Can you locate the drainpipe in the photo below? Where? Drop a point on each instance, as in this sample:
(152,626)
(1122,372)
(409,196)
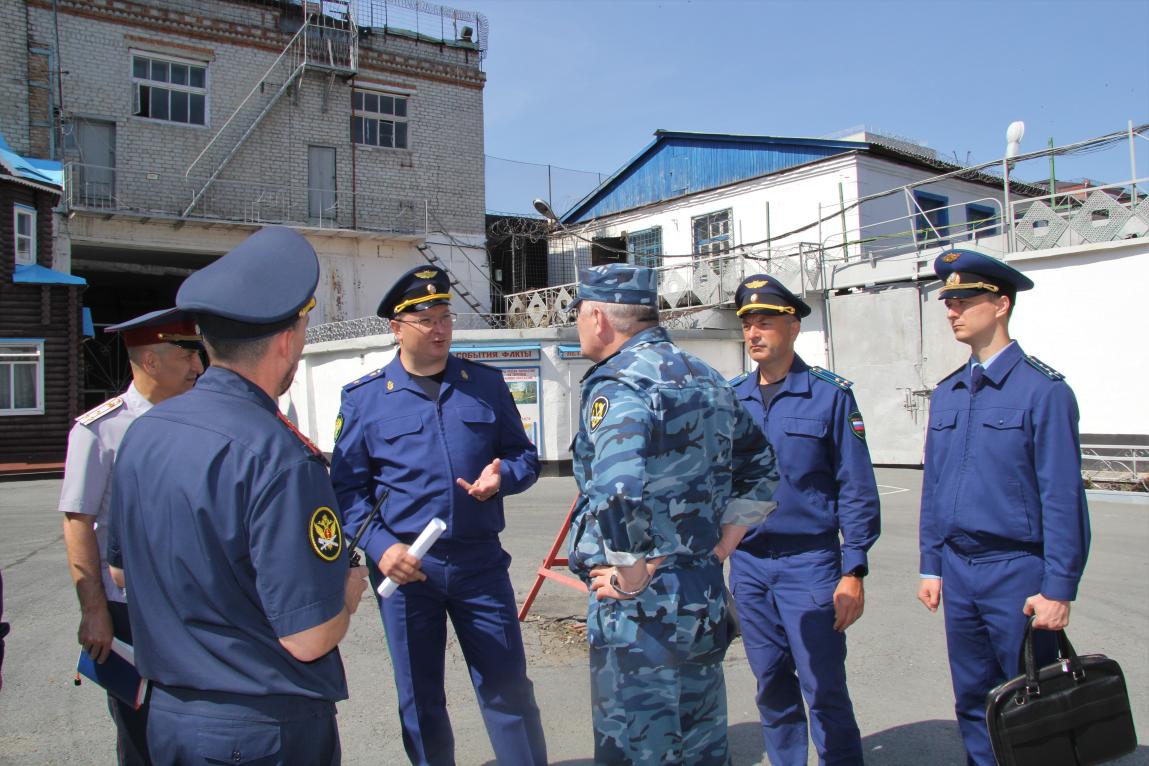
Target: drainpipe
(354,196)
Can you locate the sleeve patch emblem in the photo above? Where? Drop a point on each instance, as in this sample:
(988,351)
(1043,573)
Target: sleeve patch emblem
(598,409)
(857,426)
(325,533)
(338,426)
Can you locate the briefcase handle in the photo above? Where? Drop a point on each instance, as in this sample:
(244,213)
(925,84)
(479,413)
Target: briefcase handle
(1028,664)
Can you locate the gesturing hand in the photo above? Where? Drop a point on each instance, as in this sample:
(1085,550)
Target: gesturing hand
(487,485)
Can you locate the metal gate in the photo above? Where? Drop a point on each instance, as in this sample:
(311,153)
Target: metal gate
(895,344)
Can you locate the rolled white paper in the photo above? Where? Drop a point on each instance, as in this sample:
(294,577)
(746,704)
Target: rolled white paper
(418,549)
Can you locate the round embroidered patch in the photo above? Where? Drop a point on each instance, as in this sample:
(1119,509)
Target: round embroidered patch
(325,533)
(857,426)
(598,409)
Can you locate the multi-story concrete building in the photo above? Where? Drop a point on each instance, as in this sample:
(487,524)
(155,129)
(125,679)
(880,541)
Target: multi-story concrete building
(185,125)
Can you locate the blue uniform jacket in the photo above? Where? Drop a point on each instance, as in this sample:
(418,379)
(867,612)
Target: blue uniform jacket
(827,480)
(230,538)
(663,458)
(394,437)
(1003,471)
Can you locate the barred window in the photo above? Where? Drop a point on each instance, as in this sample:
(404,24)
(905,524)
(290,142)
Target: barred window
(169,90)
(379,119)
(21,377)
(645,247)
(712,233)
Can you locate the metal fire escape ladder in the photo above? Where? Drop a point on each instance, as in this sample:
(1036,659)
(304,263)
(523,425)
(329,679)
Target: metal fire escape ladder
(460,288)
(327,40)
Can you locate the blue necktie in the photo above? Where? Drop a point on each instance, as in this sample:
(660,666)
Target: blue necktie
(976,375)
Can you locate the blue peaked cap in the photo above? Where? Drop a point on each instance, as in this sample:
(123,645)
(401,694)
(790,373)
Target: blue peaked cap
(263,285)
(966,273)
(763,294)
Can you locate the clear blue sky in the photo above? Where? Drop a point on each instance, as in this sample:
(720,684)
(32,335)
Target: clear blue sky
(583,84)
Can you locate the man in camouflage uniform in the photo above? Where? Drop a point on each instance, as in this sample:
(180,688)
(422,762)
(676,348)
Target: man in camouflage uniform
(671,471)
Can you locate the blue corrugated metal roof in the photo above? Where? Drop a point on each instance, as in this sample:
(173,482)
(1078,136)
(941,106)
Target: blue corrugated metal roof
(680,163)
(34,274)
(46,172)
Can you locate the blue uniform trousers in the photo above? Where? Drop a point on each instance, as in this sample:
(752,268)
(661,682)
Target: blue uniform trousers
(191,727)
(983,597)
(786,605)
(131,724)
(469,584)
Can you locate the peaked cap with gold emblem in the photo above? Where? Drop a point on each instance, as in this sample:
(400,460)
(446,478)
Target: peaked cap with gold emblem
(967,273)
(420,288)
(763,294)
(163,326)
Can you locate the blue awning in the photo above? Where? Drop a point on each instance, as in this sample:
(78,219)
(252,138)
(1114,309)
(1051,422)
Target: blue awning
(33,274)
(86,320)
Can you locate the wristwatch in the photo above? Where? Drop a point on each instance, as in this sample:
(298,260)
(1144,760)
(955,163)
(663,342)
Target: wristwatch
(858,571)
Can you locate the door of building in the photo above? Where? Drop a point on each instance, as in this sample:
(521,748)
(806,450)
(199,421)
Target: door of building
(91,144)
(321,197)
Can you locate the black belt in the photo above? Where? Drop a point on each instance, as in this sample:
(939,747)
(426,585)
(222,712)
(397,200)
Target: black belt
(777,546)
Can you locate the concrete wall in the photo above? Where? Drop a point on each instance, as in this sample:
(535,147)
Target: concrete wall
(313,400)
(1084,318)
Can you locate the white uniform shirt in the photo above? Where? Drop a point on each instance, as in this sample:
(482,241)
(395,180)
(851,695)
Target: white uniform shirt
(92,446)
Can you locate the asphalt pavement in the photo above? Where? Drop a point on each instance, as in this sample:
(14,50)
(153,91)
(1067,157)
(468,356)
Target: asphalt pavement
(899,679)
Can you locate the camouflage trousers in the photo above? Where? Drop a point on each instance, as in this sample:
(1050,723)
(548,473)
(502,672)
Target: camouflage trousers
(657,691)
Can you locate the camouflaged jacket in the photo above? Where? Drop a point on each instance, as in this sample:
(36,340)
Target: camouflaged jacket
(664,456)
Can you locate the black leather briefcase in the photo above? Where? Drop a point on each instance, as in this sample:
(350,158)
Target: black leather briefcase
(1071,713)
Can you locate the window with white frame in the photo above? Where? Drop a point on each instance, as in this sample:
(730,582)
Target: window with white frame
(712,232)
(25,233)
(379,119)
(21,376)
(169,89)
(645,247)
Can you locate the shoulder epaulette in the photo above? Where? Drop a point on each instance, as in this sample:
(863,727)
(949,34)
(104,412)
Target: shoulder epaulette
(947,377)
(737,381)
(1044,368)
(373,375)
(94,414)
(314,450)
(831,377)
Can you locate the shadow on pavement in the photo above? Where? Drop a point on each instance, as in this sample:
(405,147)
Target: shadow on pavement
(913,744)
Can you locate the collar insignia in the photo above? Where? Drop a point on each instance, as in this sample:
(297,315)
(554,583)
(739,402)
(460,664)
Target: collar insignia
(325,533)
(465,375)
(755,284)
(390,385)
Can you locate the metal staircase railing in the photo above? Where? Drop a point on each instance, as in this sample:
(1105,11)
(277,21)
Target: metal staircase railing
(327,40)
(458,285)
